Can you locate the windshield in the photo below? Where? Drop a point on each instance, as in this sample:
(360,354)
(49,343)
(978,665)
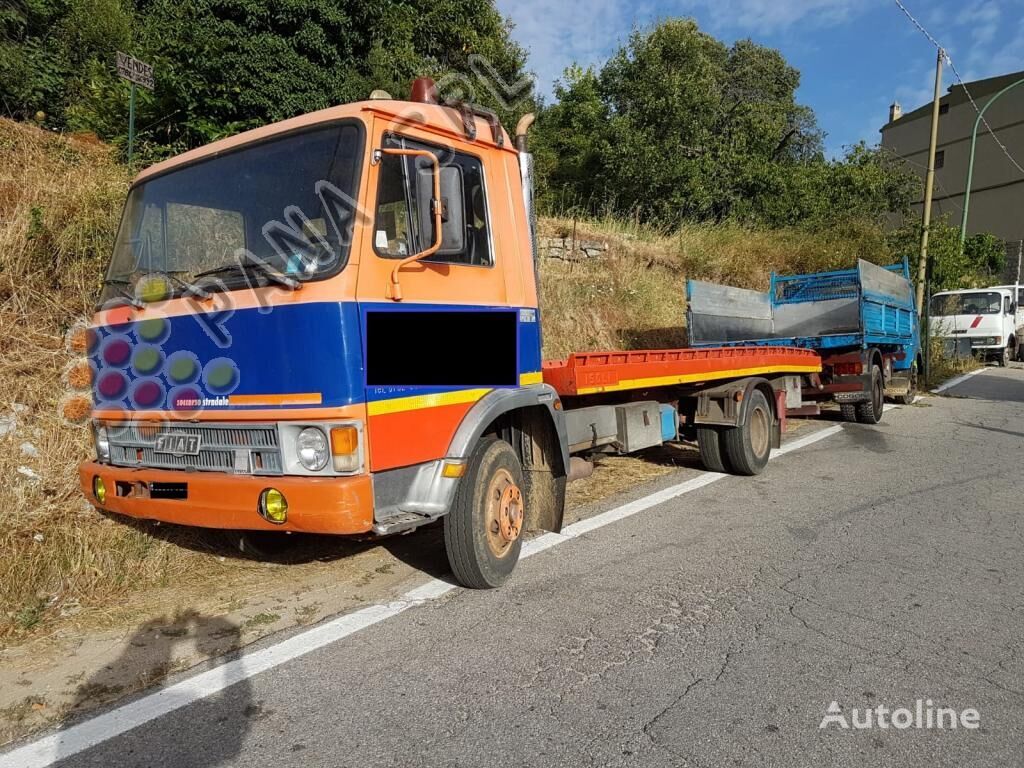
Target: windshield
(285,205)
(979,303)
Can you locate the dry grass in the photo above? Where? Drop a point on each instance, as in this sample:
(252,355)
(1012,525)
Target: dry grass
(635,296)
(943,367)
(59,205)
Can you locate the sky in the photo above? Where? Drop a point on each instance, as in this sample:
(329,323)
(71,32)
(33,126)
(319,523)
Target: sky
(855,56)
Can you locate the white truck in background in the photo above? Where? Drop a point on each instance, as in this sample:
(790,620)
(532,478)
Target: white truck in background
(989,317)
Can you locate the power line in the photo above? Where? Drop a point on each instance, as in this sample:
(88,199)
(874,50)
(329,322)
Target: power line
(960,80)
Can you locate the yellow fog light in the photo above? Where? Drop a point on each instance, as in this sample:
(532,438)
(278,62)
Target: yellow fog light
(99,490)
(273,506)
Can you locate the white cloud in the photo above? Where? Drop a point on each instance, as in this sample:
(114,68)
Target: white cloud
(558,34)
(770,16)
(983,20)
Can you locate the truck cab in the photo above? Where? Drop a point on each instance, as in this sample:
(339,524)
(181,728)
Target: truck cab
(986,316)
(312,326)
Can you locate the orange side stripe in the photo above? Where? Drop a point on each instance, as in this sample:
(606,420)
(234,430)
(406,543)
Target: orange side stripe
(296,398)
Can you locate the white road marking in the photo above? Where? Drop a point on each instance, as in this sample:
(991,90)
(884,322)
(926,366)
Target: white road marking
(957,380)
(163,701)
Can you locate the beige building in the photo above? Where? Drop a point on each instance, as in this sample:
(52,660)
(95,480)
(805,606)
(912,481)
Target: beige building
(997,191)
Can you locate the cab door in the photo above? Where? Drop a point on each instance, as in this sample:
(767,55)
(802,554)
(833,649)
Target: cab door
(451,334)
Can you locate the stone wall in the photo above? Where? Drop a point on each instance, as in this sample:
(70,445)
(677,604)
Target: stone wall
(567,249)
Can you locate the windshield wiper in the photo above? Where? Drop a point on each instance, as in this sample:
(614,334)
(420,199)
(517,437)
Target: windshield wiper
(247,265)
(125,294)
(195,290)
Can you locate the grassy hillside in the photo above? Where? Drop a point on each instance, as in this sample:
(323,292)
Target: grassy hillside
(59,204)
(633,296)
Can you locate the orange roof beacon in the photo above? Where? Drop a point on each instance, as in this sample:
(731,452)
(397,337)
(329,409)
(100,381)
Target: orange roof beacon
(331,324)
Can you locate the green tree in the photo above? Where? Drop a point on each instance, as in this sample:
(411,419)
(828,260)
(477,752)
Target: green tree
(978,263)
(222,66)
(678,127)
(48,48)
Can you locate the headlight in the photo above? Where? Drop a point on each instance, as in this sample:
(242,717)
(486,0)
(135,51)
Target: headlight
(312,449)
(102,440)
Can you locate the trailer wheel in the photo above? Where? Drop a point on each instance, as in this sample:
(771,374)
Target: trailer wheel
(870,412)
(709,441)
(482,531)
(748,446)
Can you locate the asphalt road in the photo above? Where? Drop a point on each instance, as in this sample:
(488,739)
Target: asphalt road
(880,566)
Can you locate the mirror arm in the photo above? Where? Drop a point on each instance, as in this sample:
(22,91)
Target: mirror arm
(395,286)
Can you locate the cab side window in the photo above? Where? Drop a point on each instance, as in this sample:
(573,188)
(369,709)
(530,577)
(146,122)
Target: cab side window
(396,230)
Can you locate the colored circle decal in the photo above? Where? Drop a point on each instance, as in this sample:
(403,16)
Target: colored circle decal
(147,393)
(187,399)
(154,289)
(147,360)
(80,375)
(182,367)
(155,330)
(116,351)
(221,376)
(111,385)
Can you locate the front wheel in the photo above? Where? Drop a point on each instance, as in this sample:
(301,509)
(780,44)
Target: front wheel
(1003,359)
(483,529)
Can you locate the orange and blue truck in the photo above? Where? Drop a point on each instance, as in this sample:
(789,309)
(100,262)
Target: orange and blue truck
(333,325)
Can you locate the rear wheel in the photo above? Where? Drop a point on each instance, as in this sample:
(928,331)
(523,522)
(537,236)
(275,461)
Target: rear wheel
(709,441)
(1020,352)
(870,412)
(908,398)
(849,411)
(748,447)
(483,530)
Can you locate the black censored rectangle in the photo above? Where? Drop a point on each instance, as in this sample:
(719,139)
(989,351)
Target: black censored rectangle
(442,348)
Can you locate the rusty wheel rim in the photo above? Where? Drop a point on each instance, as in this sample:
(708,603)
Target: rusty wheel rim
(504,509)
(760,431)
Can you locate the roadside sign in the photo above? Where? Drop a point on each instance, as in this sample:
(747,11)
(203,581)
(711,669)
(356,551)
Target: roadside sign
(134,71)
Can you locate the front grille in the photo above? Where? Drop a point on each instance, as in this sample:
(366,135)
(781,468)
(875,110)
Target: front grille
(250,449)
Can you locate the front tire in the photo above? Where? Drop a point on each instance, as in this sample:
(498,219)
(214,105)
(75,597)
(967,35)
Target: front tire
(870,412)
(1003,360)
(483,529)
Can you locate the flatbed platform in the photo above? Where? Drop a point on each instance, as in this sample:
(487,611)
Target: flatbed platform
(589,373)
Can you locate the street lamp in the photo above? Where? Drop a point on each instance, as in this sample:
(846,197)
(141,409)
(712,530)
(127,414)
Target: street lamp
(970,164)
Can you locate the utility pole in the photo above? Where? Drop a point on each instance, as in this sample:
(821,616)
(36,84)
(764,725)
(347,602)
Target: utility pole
(929,185)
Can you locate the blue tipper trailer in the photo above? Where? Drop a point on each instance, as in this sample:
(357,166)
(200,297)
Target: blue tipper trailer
(862,321)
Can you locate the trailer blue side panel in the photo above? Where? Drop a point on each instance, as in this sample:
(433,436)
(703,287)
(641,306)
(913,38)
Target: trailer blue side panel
(849,309)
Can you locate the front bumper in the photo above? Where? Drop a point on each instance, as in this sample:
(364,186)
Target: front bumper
(337,505)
